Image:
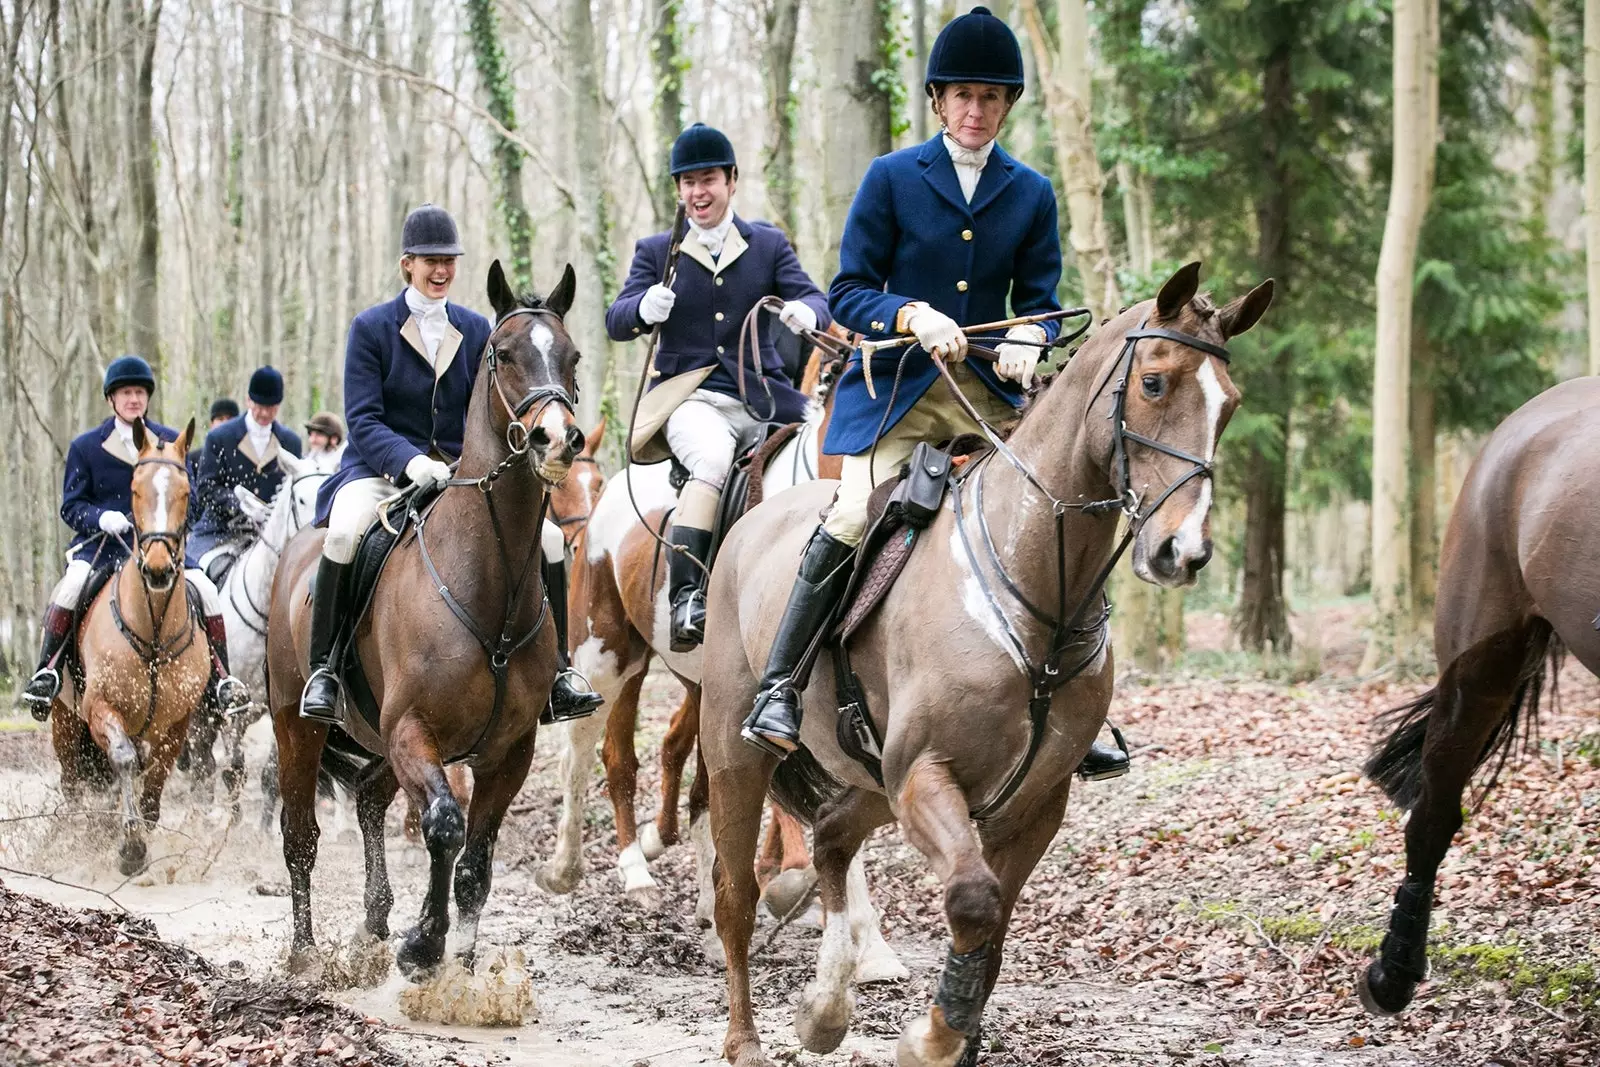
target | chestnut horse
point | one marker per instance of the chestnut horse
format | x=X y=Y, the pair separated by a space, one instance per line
x=144 y=655
x=986 y=668
x=447 y=689
x=1516 y=586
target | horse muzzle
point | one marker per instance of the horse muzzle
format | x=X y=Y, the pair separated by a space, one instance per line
x=1173 y=563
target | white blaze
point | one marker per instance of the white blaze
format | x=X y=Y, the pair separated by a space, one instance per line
x=1190 y=538
x=163 y=486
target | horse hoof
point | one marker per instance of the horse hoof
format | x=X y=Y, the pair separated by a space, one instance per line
x=131 y=858
x=1376 y=993
x=306 y=964
x=878 y=963
x=650 y=842
x=822 y=1018
x=924 y=1043
x=646 y=898
x=416 y=958
x=788 y=892
x=711 y=947
x=751 y=1056
x=557 y=879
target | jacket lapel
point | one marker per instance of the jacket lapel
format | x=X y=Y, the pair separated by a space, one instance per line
x=698 y=252
x=413 y=335
x=449 y=345
x=112 y=444
x=995 y=177
x=733 y=246
x=939 y=172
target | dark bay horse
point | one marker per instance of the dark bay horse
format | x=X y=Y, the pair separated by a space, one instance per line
x=434 y=680
x=1516 y=586
x=145 y=659
x=952 y=663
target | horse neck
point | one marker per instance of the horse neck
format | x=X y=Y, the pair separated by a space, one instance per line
x=275 y=531
x=141 y=606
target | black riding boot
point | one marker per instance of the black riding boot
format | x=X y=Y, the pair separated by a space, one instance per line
x=686 y=586
x=1103 y=761
x=40 y=692
x=571 y=696
x=320 y=700
x=774 y=725
x=231 y=695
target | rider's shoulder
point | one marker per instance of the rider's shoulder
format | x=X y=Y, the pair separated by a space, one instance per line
x=378 y=314
x=463 y=316
x=93 y=436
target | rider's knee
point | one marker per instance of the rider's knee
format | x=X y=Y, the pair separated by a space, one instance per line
x=697 y=504
x=210 y=599
x=846 y=524
x=340 y=546
x=551 y=543
x=70 y=587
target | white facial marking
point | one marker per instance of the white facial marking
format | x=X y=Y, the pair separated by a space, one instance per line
x=1189 y=541
x=163 y=486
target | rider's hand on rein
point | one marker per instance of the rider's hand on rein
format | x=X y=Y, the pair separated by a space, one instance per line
x=936 y=332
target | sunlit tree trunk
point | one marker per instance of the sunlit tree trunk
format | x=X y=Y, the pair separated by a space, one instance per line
x=782 y=21
x=667 y=55
x=587 y=320
x=500 y=98
x=857 y=106
x=1591 y=170
x=143 y=315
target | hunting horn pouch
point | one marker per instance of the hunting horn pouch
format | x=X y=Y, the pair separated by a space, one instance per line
x=921 y=491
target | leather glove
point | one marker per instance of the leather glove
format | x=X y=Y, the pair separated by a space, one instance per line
x=798 y=315
x=426 y=472
x=937 y=333
x=115 y=523
x=656 y=304
x=1017 y=362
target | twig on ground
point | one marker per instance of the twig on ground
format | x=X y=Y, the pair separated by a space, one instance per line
x=68 y=885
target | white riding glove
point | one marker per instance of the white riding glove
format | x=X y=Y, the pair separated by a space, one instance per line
x=426 y=472
x=798 y=316
x=251 y=506
x=115 y=523
x=1017 y=362
x=937 y=333
x=656 y=304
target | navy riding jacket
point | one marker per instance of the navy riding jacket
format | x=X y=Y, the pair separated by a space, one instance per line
x=911 y=235
x=394 y=406
x=214 y=515
x=713 y=300
x=98 y=480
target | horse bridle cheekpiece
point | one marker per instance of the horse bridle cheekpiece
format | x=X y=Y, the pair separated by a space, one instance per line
x=144 y=538
x=540 y=396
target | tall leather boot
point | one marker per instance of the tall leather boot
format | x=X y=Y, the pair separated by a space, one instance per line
x=329 y=602
x=231 y=694
x=774 y=724
x=40 y=692
x=1104 y=761
x=571 y=696
x=686 y=587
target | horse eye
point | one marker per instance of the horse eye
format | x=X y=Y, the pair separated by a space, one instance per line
x=1155 y=386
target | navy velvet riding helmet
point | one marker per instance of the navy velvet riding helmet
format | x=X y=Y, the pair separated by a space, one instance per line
x=701 y=147
x=977 y=47
x=266 y=387
x=430 y=231
x=128 y=370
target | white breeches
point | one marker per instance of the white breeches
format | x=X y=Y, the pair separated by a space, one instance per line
x=70 y=587
x=702 y=433
x=354 y=508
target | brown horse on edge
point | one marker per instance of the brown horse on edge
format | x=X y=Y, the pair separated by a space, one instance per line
x=430 y=675
x=949 y=673
x=1515 y=588
x=145 y=658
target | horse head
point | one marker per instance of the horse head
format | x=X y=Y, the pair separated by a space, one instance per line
x=160 y=505
x=573 y=501
x=532 y=365
x=294 y=505
x=1172 y=385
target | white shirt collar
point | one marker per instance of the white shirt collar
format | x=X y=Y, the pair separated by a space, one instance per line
x=969 y=164
x=713 y=237
x=423 y=306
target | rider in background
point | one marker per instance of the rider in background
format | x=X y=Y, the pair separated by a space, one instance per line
x=241 y=452
x=223 y=409
x=96 y=500
x=325 y=439
x=694 y=402
x=947 y=232
x=409 y=368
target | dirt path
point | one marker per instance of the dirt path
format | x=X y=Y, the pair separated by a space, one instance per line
x=1211 y=909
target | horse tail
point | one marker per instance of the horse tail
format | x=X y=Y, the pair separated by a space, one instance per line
x=346 y=762
x=1396 y=761
x=801 y=785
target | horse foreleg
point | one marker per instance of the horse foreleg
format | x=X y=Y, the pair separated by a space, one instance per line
x=875 y=960
x=622 y=782
x=736 y=801
x=705 y=854
x=562 y=872
x=299 y=751
x=201 y=741
x=822 y=1015
x=372 y=805
x=416 y=764
x=153 y=781
x=661 y=835
x=105 y=724
x=493 y=790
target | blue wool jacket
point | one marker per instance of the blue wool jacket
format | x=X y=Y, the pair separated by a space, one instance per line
x=214 y=514
x=703 y=329
x=911 y=235
x=96 y=482
x=393 y=406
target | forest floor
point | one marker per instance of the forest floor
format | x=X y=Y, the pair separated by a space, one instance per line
x=1213 y=908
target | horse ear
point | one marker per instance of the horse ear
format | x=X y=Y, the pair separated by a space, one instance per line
x=1178 y=290
x=501 y=298
x=139 y=438
x=185 y=439
x=592 y=439
x=560 y=298
x=1246 y=311
x=293 y=466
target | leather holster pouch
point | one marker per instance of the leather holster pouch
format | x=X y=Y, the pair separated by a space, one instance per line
x=921 y=492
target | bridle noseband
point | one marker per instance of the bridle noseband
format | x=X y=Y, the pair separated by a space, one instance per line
x=540 y=396
x=145 y=538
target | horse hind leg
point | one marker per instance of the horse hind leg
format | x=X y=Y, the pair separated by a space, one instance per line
x=493 y=790
x=622 y=782
x=416 y=764
x=372 y=805
x=875 y=960
x=736 y=800
x=201 y=744
x=562 y=872
x=658 y=836
x=1432 y=754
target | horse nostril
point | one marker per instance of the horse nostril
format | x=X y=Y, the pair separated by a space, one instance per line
x=1198 y=562
x=1165 y=561
x=575 y=439
x=539 y=437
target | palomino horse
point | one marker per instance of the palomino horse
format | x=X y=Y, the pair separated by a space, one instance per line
x=455 y=643
x=1515 y=586
x=986 y=668
x=144 y=655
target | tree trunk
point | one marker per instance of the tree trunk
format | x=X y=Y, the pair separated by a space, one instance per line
x=1591 y=170
x=1066 y=78
x=500 y=99
x=587 y=322
x=1424 y=483
x=857 y=106
x=143 y=307
x=666 y=48
x=1542 y=98
x=920 y=112
x=782 y=22
x=1415 y=69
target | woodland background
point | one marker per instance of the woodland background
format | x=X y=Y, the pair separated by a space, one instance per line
x=218 y=184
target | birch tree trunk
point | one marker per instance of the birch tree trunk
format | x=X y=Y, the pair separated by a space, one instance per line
x=500 y=99
x=587 y=320
x=1424 y=483
x=858 y=108
x=143 y=305
x=667 y=55
x=1066 y=78
x=1591 y=170
x=1415 y=87
x=782 y=22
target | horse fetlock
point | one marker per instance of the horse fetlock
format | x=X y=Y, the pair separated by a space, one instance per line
x=961 y=988
x=559 y=877
x=131 y=856
x=972 y=905
x=822 y=1017
x=444 y=829
x=419 y=953
x=651 y=842
x=927 y=1041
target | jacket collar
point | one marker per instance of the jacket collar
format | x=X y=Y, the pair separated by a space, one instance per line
x=733 y=247
x=939 y=172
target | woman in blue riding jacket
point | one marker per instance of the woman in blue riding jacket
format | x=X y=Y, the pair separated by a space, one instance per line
x=941 y=234
x=96 y=501
x=409 y=369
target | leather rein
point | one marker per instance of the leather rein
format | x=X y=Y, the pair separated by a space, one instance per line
x=1047 y=674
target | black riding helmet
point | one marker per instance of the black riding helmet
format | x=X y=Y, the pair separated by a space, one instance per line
x=977 y=47
x=430 y=231
x=701 y=147
x=128 y=370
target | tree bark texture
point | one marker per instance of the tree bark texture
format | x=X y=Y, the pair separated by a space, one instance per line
x=587 y=320
x=143 y=318
x=1591 y=170
x=500 y=98
x=782 y=21
x=667 y=55
x=859 y=129
x=1424 y=483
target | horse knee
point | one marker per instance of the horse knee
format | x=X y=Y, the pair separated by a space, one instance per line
x=443 y=827
x=972 y=906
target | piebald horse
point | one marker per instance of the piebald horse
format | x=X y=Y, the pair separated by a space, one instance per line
x=986 y=669
x=145 y=659
x=456 y=643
